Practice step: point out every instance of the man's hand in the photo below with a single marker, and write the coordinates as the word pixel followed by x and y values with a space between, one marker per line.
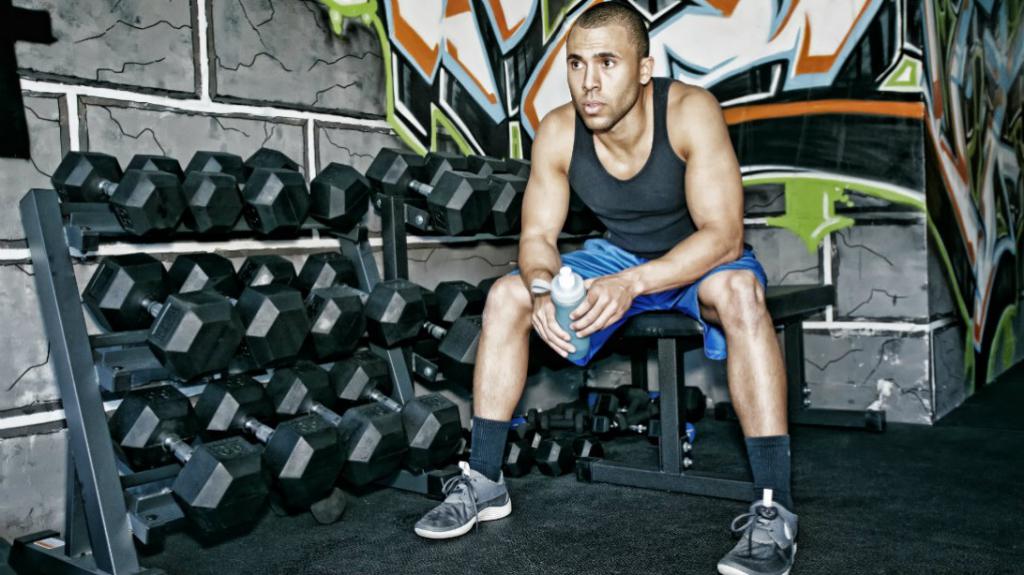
pixel 547 327
pixel 608 299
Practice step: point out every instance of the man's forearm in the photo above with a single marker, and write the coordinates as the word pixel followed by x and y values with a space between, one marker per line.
pixel 538 259
pixel 687 262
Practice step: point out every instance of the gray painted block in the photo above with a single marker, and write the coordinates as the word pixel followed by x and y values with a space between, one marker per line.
pixel 43 114
pixel 124 130
pixel 351 145
pixel 948 377
pixel 144 45
pixel 854 370
pixel 940 296
pixel 33 468
pixel 26 376
pixel 784 256
pixel 284 53
pixel 471 262
pixel 881 272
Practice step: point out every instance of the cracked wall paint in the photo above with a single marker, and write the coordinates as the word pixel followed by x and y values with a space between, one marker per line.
pixel 783 256
pixel 875 281
pixel 145 45
pixel 26 377
pixel 33 467
pixel 18 176
pixel 123 131
pixel 283 52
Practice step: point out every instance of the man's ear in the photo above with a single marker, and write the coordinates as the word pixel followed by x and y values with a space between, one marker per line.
pixel 646 69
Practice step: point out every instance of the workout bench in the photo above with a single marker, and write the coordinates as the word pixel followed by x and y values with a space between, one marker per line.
pixel 676 334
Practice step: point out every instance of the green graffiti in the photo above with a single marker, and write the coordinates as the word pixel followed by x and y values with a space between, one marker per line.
pixel 969 363
pixel 906 77
pixel 552 21
pixel 811 210
pixel 515 139
pixel 366 12
pixel 439 121
pixel 1004 342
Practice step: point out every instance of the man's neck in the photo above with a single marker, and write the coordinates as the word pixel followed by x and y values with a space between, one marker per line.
pixel 628 133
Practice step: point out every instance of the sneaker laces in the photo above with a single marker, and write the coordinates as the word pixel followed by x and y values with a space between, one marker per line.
pixel 464 482
pixel 760 518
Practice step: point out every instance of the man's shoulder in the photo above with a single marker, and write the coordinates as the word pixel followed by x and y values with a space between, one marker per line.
pixel 557 122
pixel 686 99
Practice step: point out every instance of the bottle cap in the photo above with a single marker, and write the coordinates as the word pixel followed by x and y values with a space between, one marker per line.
pixel 565 278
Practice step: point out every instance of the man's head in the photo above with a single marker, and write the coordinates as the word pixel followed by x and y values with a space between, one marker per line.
pixel 608 63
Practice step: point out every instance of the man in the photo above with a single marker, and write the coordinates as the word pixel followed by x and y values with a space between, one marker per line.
pixel 652 159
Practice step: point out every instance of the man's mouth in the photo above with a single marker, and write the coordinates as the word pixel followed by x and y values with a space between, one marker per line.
pixel 592 107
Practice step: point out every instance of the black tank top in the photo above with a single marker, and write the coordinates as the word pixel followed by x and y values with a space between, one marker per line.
pixel 646 214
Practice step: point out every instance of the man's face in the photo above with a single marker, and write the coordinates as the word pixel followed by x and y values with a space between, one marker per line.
pixel 605 74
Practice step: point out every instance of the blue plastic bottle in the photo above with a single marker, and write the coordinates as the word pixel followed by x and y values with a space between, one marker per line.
pixel 567 293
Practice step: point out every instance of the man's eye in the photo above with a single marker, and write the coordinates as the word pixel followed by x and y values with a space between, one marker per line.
pixel 608 63
pixel 575 65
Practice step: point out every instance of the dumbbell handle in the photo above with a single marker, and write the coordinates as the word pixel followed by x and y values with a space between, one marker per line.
pixel 421 188
pixel 152 306
pixel 260 430
pixel 385 401
pixel 108 187
pixel 326 413
pixel 177 446
pixel 435 331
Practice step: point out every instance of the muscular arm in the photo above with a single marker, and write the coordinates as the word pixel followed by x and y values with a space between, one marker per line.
pixel 546 201
pixel 714 196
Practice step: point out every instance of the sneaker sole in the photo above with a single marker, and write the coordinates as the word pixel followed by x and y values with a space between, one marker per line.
pixel 727 570
pixel 489 514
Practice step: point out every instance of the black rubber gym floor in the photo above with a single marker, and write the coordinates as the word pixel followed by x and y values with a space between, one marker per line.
pixel 944 499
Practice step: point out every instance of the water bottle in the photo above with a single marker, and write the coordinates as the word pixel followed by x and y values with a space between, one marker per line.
pixel 567 293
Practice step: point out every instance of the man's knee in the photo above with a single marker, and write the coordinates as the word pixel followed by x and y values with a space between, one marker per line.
pixel 508 301
pixel 738 298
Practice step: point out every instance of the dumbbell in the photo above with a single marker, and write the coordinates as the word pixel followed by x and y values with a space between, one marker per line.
pixel 452 299
pixel 374 441
pixel 396 314
pixel 518 458
pixel 273 316
pixel 557 456
pixel 192 334
pixel 273 198
pixel 432 423
pixel 265 270
pixel 505 193
pixel 145 201
pixel 303 455
pixel 457 201
pixel 575 419
pixel 221 485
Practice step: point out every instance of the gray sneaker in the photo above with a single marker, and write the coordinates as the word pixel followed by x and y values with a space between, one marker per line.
pixel 767 541
pixel 470 498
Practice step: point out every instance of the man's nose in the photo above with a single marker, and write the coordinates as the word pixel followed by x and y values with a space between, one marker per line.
pixel 590 78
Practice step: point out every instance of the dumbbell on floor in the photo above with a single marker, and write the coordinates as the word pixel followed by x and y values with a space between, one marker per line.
pixel 557 456
pixel 432 423
pixel 193 333
pixel 303 455
pixel 221 486
pixel 144 201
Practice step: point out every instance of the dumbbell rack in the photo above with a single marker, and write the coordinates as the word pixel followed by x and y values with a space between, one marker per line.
pixel 108 504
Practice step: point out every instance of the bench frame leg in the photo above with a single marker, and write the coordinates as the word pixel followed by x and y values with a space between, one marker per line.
pixel 670 474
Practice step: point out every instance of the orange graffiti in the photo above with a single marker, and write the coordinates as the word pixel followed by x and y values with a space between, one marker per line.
pixel 807 64
pixel 425 56
pixel 726 7
pixel 454 52
pixel 499 16
pixel 740 114
pixel 785 20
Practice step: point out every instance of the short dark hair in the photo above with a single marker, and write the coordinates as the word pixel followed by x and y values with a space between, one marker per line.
pixel 621 13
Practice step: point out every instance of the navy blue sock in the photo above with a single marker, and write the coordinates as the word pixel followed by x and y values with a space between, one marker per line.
pixel 770 464
pixel 488 447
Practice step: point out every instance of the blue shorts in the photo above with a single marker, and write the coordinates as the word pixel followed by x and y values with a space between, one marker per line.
pixel 599 257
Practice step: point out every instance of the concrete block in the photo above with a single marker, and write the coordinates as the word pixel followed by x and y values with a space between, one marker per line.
pixel 880 271
pixel 948 375
pixel 47 138
pixel 32 476
pixel 26 375
pixel 784 257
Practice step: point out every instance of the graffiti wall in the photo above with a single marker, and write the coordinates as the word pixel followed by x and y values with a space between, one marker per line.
pixel 880 143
